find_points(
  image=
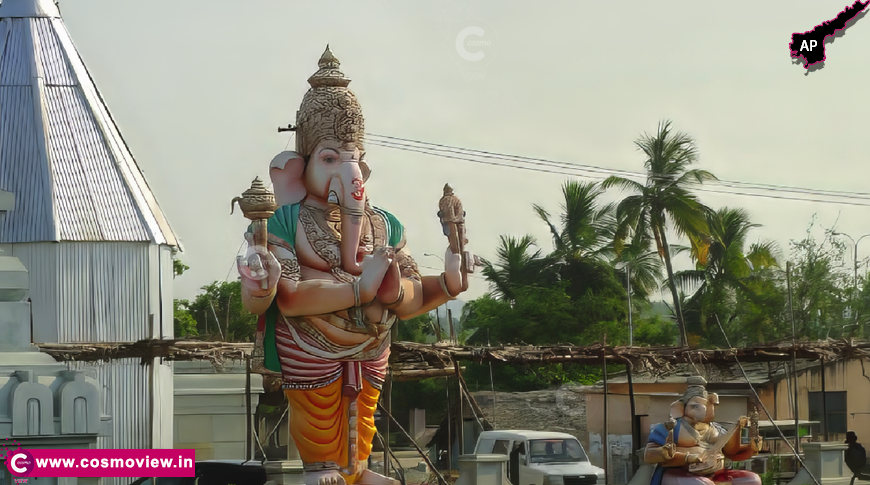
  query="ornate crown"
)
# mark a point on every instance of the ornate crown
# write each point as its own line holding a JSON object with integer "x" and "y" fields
{"x": 329, "y": 109}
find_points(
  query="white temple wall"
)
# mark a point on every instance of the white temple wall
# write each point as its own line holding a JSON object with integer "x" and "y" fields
{"x": 96, "y": 292}
{"x": 110, "y": 292}
{"x": 125, "y": 386}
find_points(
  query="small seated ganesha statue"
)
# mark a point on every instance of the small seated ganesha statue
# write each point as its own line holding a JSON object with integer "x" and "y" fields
{"x": 690, "y": 448}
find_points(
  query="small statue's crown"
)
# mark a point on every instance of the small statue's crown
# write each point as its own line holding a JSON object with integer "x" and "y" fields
{"x": 695, "y": 388}
{"x": 696, "y": 381}
{"x": 328, "y": 75}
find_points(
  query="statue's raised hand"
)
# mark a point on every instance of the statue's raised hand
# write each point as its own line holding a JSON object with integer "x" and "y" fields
{"x": 453, "y": 272}
{"x": 259, "y": 268}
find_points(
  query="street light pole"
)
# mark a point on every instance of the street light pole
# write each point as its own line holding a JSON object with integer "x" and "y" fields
{"x": 627, "y": 267}
{"x": 854, "y": 274}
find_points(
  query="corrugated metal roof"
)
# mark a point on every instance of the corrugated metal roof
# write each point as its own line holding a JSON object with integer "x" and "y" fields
{"x": 29, "y": 8}
{"x": 61, "y": 153}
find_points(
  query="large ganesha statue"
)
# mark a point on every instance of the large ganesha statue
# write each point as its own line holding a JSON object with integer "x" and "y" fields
{"x": 691, "y": 448}
{"x": 335, "y": 276}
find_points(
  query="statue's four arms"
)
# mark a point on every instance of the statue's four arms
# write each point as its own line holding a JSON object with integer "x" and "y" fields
{"x": 330, "y": 274}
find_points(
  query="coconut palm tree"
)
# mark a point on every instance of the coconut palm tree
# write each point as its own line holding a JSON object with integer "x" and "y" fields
{"x": 664, "y": 200}
{"x": 636, "y": 257}
{"x": 727, "y": 267}
{"x": 586, "y": 228}
{"x": 583, "y": 239}
{"x": 519, "y": 263}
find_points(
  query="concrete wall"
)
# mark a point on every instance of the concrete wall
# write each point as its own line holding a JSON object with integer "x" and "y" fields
{"x": 840, "y": 376}
{"x": 210, "y": 409}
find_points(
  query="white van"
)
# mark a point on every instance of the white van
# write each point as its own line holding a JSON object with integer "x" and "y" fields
{"x": 541, "y": 457}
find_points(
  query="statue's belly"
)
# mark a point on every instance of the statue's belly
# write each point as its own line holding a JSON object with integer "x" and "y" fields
{"x": 315, "y": 272}
{"x": 338, "y": 327}
{"x": 335, "y": 328}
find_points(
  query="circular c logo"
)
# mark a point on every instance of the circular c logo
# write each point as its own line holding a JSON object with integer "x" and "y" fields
{"x": 21, "y": 463}
{"x": 461, "y": 42}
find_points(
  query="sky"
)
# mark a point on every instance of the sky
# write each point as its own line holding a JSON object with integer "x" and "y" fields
{"x": 199, "y": 89}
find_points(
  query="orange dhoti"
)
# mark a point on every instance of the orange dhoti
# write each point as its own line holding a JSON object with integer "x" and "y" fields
{"x": 321, "y": 424}
{"x": 332, "y": 403}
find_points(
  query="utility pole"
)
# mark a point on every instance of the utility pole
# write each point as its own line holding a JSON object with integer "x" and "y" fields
{"x": 605, "y": 442}
{"x": 449, "y": 433}
{"x": 797, "y": 438}
{"x": 229, "y": 299}
{"x": 630, "y": 326}
{"x": 438, "y": 328}
{"x": 855, "y": 276}
{"x": 627, "y": 266}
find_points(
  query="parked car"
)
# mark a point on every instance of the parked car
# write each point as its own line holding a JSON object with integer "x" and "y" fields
{"x": 216, "y": 472}
{"x": 541, "y": 457}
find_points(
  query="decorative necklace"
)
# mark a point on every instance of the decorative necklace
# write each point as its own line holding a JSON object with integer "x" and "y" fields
{"x": 322, "y": 231}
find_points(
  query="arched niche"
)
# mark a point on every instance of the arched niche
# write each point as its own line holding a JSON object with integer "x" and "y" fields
{"x": 32, "y": 407}
{"x": 78, "y": 405}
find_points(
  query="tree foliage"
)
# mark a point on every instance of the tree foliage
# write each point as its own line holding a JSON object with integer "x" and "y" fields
{"x": 604, "y": 252}
{"x": 519, "y": 263}
{"x": 178, "y": 268}
{"x": 821, "y": 285}
{"x": 185, "y": 324}
{"x": 216, "y": 314}
{"x": 725, "y": 275}
{"x": 418, "y": 329}
{"x": 542, "y": 315}
{"x": 665, "y": 201}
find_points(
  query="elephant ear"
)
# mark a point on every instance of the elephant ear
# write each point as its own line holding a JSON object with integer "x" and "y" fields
{"x": 286, "y": 171}
{"x": 677, "y": 409}
{"x": 366, "y": 171}
{"x": 712, "y": 397}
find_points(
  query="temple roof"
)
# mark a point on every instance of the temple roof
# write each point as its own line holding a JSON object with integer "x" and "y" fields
{"x": 61, "y": 153}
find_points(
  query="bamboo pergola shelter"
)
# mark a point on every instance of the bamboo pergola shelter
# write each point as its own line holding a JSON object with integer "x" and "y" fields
{"x": 418, "y": 361}
{"x": 412, "y": 361}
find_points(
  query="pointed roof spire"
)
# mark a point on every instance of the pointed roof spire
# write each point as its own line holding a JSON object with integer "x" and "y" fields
{"x": 64, "y": 158}
{"x": 29, "y": 9}
{"x": 328, "y": 75}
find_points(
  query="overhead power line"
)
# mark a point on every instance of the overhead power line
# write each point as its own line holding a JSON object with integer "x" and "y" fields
{"x": 608, "y": 171}
{"x": 600, "y": 173}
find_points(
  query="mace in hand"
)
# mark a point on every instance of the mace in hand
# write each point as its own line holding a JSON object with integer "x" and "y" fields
{"x": 453, "y": 223}
{"x": 258, "y": 205}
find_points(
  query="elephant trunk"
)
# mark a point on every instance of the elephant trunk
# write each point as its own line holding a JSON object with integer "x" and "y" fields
{"x": 350, "y": 189}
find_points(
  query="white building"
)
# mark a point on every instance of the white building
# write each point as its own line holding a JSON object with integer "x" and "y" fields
{"x": 42, "y": 403}
{"x": 85, "y": 224}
